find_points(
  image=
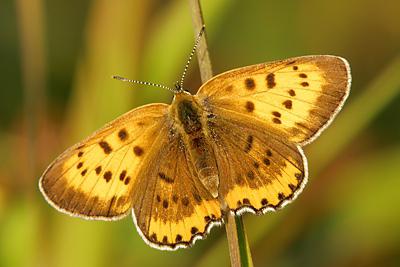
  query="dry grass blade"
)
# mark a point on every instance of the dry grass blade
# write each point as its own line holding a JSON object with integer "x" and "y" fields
{"x": 238, "y": 246}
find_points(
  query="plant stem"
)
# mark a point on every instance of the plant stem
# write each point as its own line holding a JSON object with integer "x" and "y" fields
{"x": 202, "y": 50}
{"x": 239, "y": 250}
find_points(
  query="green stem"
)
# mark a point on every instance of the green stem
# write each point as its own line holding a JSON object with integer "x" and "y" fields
{"x": 244, "y": 248}
{"x": 239, "y": 249}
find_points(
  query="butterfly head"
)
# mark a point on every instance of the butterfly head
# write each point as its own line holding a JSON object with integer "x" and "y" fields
{"x": 187, "y": 111}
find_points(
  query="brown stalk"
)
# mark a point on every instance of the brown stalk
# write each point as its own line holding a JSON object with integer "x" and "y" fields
{"x": 237, "y": 240}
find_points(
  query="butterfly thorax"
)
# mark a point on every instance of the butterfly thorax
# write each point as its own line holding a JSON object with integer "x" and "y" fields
{"x": 190, "y": 120}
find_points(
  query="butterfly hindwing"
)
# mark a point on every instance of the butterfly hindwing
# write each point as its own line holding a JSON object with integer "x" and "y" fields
{"x": 297, "y": 97}
{"x": 175, "y": 209}
{"x": 258, "y": 170}
{"x": 96, "y": 178}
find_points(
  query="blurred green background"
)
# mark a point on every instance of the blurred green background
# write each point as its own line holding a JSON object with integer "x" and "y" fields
{"x": 56, "y": 62}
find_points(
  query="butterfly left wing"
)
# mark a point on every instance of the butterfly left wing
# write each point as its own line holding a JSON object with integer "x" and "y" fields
{"x": 138, "y": 162}
{"x": 259, "y": 171}
{"x": 95, "y": 178}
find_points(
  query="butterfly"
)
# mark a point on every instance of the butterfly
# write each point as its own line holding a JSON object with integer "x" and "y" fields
{"x": 235, "y": 146}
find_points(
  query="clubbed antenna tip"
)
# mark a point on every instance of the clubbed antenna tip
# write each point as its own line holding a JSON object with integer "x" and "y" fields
{"x": 119, "y": 78}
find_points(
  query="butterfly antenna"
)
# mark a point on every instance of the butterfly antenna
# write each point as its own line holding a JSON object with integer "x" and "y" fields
{"x": 191, "y": 55}
{"x": 144, "y": 83}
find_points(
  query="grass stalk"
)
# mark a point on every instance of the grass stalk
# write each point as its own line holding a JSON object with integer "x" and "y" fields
{"x": 238, "y": 246}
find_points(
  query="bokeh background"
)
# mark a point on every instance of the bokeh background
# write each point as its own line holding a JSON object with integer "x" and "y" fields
{"x": 56, "y": 62}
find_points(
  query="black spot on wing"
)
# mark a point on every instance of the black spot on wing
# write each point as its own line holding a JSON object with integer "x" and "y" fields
{"x": 249, "y": 84}
{"x": 249, "y": 106}
{"x": 107, "y": 176}
{"x": 123, "y": 134}
{"x": 138, "y": 151}
{"x": 106, "y": 147}
{"x": 249, "y": 144}
{"x": 271, "y": 80}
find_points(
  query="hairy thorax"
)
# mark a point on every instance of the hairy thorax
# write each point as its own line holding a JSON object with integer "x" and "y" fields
{"x": 191, "y": 120}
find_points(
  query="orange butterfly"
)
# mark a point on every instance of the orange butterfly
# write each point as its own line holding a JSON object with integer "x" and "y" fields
{"x": 235, "y": 146}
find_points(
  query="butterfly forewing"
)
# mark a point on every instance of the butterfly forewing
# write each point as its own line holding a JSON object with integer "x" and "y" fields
{"x": 95, "y": 178}
{"x": 296, "y": 97}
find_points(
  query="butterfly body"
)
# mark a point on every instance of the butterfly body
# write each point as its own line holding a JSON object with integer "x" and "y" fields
{"x": 235, "y": 146}
{"x": 192, "y": 121}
